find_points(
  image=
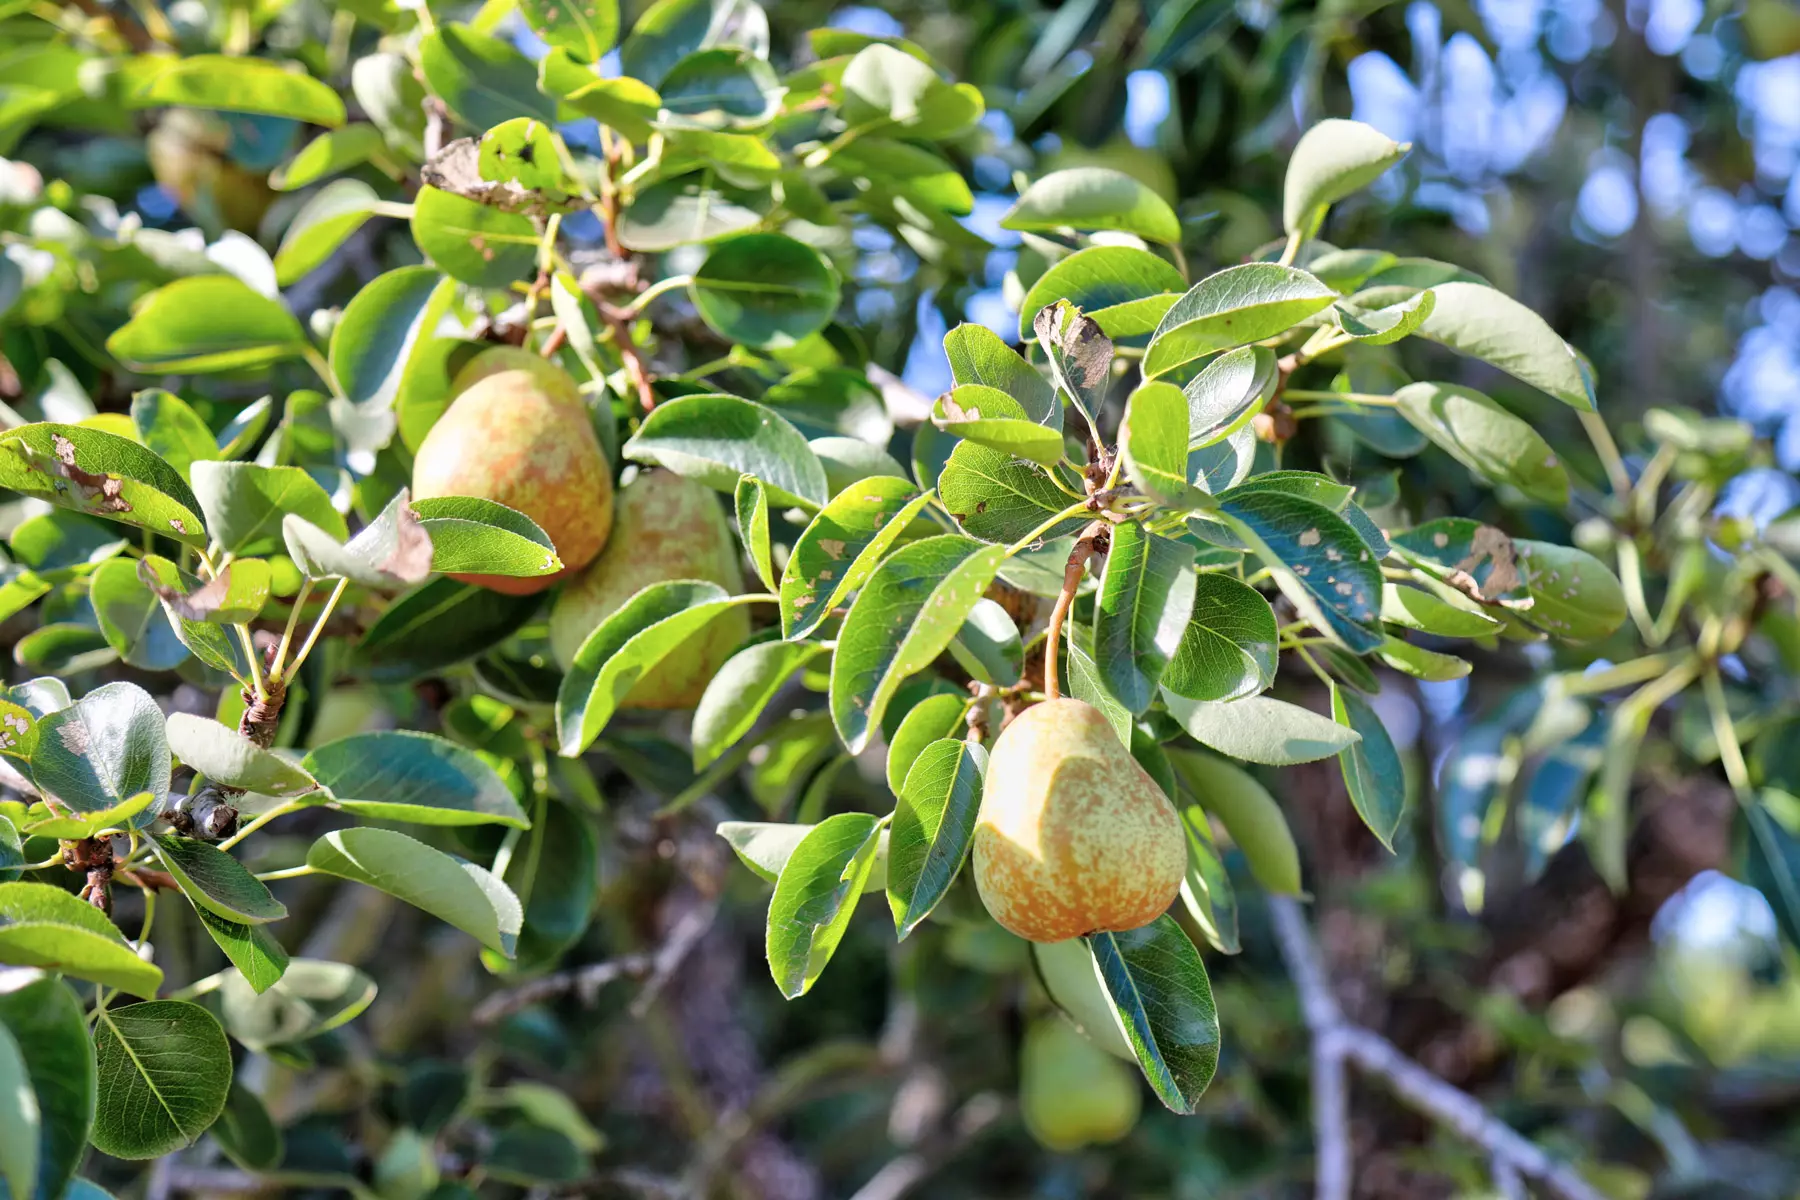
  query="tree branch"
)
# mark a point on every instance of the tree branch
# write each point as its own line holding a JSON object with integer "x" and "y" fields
{"x": 1339, "y": 1042}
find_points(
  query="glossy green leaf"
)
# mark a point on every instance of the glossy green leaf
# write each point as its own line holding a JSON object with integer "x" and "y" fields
{"x": 406, "y": 775}
{"x": 932, "y": 719}
{"x": 978, "y": 356}
{"x": 456, "y": 892}
{"x": 192, "y": 608}
{"x": 217, "y": 882}
{"x": 380, "y": 334}
{"x": 1163, "y": 1000}
{"x": 1071, "y": 977}
{"x": 1250, "y": 815}
{"x": 21, "y": 1123}
{"x": 741, "y": 691}
{"x": 104, "y": 749}
{"x": 1476, "y": 320}
{"x": 1487, "y": 439}
{"x": 328, "y": 154}
{"x": 990, "y": 417}
{"x": 473, "y": 535}
{"x": 86, "y": 825}
{"x": 170, "y": 429}
{"x": 626, "y": 646}
{"x": 324, "y": 223}
{"x": 765, "y": 290}
{"x": 721, "y": 88}
{"x": 815, "y": 896}
{"x": 44, "y": 926}
{"x": 1373, "y": 773}
{"x": 902, "y": 619}
{"x": 246, "y": 1131}
{"x": 1125, "y": 290}
{"x": 1153, "y": 438}
{"x": 132, "y": 618}
{"x": 1229, "y": 648}
{"x": 241, "y": 84}
{"x": 587, "y": 29}
{"x": 1417, "y": 609}
{"x": 934, "y": 824}
{"x": 245, "y": 504}
{"x": 717, "y": 439}
{"x": 1318, "y": 560}
{"x": 206, "y": 323}
{"x": 1206, "y": 890}
{"x": 890, "y": 88}
{"x": 442, "y": 623}
{"x": 253, "y": 950}
{"x": 1421, "y": 663}
{"x": 750, "y": 504}
{"x": 691, "y": 208}
{"x": 1574, "y": 596}
{"x": 840, "y": 548}
{"x": 163, "y": 1070}
{"x": 46, "y": 1023}
{"x": 395, "y": 551}
{"x": 472, "y": 242}
{"x": 998, "y": 498}
{"x": 1234, "y": 307}
{"x": 314, "y": 997}
{"x": 555, "y": 873}
{"x": 482, "y": 79}
{"x": 1333, "y": 159}
{"x": 1141, "y": 612}
{"x": 1260, "y": 729}
{"x": 1094, "y": 198}
{"x": 624, "y": 104}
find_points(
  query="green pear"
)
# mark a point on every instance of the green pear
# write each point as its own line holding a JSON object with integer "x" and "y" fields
{"x": 1071, "y": 1092}
{"x": 1074, "y": 837}
{"x": 518, "y": 433}
{"x": 666, "y": 528}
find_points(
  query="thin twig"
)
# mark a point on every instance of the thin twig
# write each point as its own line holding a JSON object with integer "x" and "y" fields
{"x": 1078, "y": 560}
{"x": 620, "y": 324}
{"x": 1443, "y": 1102}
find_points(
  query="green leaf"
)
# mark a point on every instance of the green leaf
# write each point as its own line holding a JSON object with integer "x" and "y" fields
{"x": 456, "y": 892}
{"x": 625, "y": 647}
{"x": 472, "y": 242}
{"x": 240, "y": 84}
{"x": 440, "y": 624}
{"x": 405, "y": 775}
{"x": 101, "y": 474}
{"x": 1474, "y": 319}
{"x": 932, "y": 719}
{"x": 721, "y": 88}
{"x": 1229, "y": 649}
{"x": 383, "y": 328}
{"x": 624, "y": 104}
{"x": 998, "y": 498}
{"x": 1094, "y": 198}
{"x": 86, "y": 825}
{"x": 328, "y": 154}
{"x": 1573, "y": 594}
{"x": 170, "y": 429}
{"x": 1125, "y": 290}
{"x": 1485, "y": 438}
{"x": 253, "y": 950}
{"x": 1206, "y": 890}
{"x": 314, "y": 997}
{"x": 63, "y": 648}
{"x": 12, "y": 852}
{"x": 815, "y": 897}
{"x": 554, "y": 872}
{"x": 132, "y": 619}
{"x": 587, "y": 29}
{"x": 1317, "y": 559}
{"x": 988, "y": 646}
{"x": 21, "y": 1125}
{"x": 1081, "y": 356}
{"x": 522, "y": 151}
{"x": 750, "y": 504}
{"x": 1772, "y": 858}
{"x": 763, "y": 846}
{"x": 1333, "y": 159}
{"x": 1234, "y": 307}
{"x": 1417, "y": 609}
{"x": 531, "y": 1156}
{"x": 1141, "y": 612}
{"x": 1260, "y": 729}
{"x": 883, "y": 85}
{"x": 246, "y": 1131}
{"x": 765, "y": 290}
{"x": 44, "y": 926}
{"x": 1250, "y": 815}
{"x": 245, "y": 503}
{"x": 717, "y": 439}
{"x": 192, "y": 609}
{"x": 47, "y": 1025}
{"x": 922, "y": 177}
{"x": 482, "y": 79}
{"x": 978, "y": 356}
{"x": 739, "y": 693}
{"x": 327, "y": 220}
{"x": 473, "y": 535}
{"x": 1373, "y": 772}
{"x": 1162, "y": 998}
{"x": 1481, "y": 558}
{"x": 990, "y": 417}
{"x": 1421, "y": 663}
{"x": 1087, "y": 684}
{"x": 206, "y": 323}
{"x": 934, "y": 824}
{"x": 217, "y": 882}
{"x": 163, "y": 1069}
{"x": 1153, "y": 438}
{"x": 1383, "y": 325}
{"x": 904, "y": 617}
{"x": 102, "y": 750}
{"x": 689, "y": 209}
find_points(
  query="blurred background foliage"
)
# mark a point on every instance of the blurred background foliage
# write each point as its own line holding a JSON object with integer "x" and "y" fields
{"x": 1631, "y": 170}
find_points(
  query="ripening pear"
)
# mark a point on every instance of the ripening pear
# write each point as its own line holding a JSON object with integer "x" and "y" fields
{"x": 1074, "y": 837}
{"x": 1071, "y": 1092}
{"x": 190, "y": 154}
{"x": 518, "y": 433}
{"x": 667, "y": 527}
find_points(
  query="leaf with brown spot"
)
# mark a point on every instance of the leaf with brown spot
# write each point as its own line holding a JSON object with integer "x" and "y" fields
{"x": 1080, "y": 355}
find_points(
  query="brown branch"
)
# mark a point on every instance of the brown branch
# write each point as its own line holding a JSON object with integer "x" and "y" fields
{"x": 620, "y": 324}
{"x": 1340, "y": 1043}
{"x": 1085, "y": 548}
{"x": 123, "y": 20}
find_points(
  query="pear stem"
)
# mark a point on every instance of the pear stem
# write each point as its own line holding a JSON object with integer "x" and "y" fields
{"x": 1085, "y": 547}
